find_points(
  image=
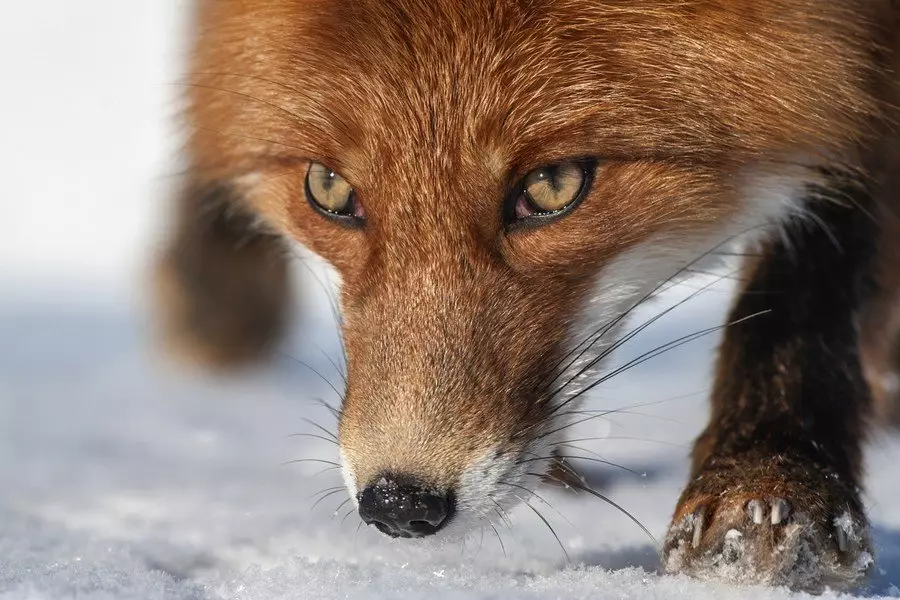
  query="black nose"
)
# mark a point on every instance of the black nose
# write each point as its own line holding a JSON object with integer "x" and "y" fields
{"x": 399, "y": 507}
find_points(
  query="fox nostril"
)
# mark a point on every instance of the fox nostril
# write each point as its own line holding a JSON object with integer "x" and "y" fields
{"x": 404, "y": 510}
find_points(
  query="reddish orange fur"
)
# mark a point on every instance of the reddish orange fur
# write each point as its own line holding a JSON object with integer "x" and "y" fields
{"x": 431, "y": 109}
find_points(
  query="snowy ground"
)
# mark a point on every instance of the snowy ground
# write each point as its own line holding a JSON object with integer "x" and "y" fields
{"x": 122, "y": 478}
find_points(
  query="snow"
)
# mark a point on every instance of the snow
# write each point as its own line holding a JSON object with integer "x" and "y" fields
{"x": 124, "y": 477}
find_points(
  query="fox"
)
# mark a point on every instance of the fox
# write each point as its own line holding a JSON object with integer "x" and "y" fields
{"x": 497, "y": 184}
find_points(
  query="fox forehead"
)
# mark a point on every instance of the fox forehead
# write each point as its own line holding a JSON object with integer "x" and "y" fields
{"x": 507, "y": 83}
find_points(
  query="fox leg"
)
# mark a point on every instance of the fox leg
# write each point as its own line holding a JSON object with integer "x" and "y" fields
{"x": 222, "y": 282}
{"x": 773, "y": 496}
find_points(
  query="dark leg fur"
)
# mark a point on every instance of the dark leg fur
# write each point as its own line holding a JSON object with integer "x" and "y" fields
{"x": 773, "y": 496}
{"x": 223, "y": 288}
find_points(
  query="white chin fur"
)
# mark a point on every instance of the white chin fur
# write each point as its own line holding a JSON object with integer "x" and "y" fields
{"x": 349, "y": 479}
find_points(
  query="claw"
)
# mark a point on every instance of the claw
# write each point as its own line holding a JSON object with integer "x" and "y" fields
{"x": 757, "y": 509}
{"x": 841, "y": 536}
{"x": 781, "y": 510}
{"x": 699, "y": 518}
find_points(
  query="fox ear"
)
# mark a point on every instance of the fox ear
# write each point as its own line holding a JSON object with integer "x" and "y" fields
{"x": 222, "y": 289}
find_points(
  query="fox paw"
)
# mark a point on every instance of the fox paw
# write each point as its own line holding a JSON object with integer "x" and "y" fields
{"x": 753, "y": 526}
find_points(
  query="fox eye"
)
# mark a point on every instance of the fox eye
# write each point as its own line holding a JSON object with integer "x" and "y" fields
{"x": 551, "y": 190}
{"x": 331, "y": 194}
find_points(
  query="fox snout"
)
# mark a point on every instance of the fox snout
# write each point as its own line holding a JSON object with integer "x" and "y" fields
{"x": 447, "y": 394}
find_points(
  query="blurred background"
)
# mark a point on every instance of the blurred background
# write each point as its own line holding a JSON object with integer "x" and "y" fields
{"x": 122, "y": 476}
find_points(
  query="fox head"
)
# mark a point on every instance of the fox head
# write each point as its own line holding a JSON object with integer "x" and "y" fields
{"x": 495, "y": 181}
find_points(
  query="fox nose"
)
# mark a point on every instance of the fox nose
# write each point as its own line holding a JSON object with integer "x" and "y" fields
{"x": 404, "y": 509}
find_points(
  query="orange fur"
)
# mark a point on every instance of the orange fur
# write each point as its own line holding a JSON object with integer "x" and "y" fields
{"x": 431, "y": 109}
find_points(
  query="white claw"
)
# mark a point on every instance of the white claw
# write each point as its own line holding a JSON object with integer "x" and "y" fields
{"x": 756, "y": 508}
{"x": 781, "y": 510}
{"x": 841, "y": 538}
{"x": 698, "y": 528}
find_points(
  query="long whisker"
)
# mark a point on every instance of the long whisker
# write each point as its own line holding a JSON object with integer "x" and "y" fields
{"x": 535, "y": 494}
{"x": 631, "y": 335}
{"x": 502, "y": 514}
{"x": 587, "y": 458}
{"x": 331, "y": 489}
{"x": 601, "y": 331}
{"x": 340, "y": 506}
{"x": 499, "y": 539}
{"x": 337, "y": 369}
{"x": 314, "y": 460}
{"x": 322, "y": 429}
{"x": 549, "y": 526}
{"x": 325, "y": 470}
{"x": 622, "y": 412}
{"x": 346, "y": 516}
{"x": 632, "y": 406}
{"x": 329, "y": 494}
{"x": 317, "y": 373}
{"x": 332, "y": 302}
{"x": 596, "y": 494}
{"x": 312, "y": 435}
{"x": 630, "y": 439}
{"x": 649, "y": 355}
{"x": 334, "y": 412}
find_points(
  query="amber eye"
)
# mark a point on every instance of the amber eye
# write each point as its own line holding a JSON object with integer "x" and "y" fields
{"x": 552, "y": 190}
{"x": 331, "y": 194}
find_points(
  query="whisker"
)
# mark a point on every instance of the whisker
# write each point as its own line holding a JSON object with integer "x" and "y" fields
{"x": 312, "y": 435}
{"x": 346, "y": 516}
{"x": 622, "y": 412}
{"x": 502, "y": 514}
{"x": 535, "y": 494}
{"x": 332, "y": 302}
{"x": 315, "y": 372}
{"x": 325, "y": 470}
{"x": 331, "y": 489}
{"x": 499, "y": 539}
{"x": 631, "y": 439}
{"x": 601, "y": 331}
{"x": 328, "y": 495}
{"x": 321, "y": 402}
{"x": 320, "y": 428}
{"x": 596, "y": 494}
{"x": 315, "y": 460}
{"x": 587, "y": 458}
{"x": 649, "y": 355}
{"x": 337, "y": 369}
{"x": 550, "y": 527}
{"x": 340, "y": 506}
{"x": 638, "y": 405}
{"x": 631, "y": 335}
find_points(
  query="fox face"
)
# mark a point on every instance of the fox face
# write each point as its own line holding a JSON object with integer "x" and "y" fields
{"x": 498, "y": 183}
